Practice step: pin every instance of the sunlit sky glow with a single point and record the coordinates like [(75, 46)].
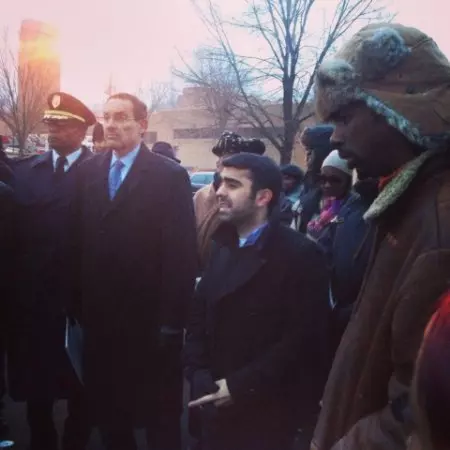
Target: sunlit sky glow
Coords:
[(138, 40)]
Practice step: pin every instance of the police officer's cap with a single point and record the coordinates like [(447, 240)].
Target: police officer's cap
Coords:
[(63, 106)]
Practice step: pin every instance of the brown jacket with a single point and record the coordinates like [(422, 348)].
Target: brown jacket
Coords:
[(204, 201), (206, 213), (365, 401)]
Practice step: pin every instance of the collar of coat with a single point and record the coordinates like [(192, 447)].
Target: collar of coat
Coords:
[(227, 236), (398, 185), (46, 158)]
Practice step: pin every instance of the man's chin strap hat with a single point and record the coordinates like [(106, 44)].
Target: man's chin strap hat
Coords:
[(63, 107), (398, 72)]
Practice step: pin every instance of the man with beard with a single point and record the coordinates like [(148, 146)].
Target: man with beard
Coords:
[(205, 201), (261, 303), (136, 235), (388, 94), (39, 369)]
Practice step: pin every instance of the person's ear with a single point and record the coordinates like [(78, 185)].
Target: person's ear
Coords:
[(143, 123), (264, 197)]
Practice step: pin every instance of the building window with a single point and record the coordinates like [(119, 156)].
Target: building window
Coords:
[(150, 137), (214, 133), (186, 133), (210, 133), (249, 132), (196, 133)]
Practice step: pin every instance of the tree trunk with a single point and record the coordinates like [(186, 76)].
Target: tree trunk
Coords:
[(288, 118), (288, 147), (21, 141)]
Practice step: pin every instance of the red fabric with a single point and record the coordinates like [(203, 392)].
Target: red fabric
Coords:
[(385, 180)]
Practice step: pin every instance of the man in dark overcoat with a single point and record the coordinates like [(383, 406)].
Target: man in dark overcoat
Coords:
[(138, 264), (256, 343), (39, 370)]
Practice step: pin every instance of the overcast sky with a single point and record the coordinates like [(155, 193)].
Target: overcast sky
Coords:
[(138, 40)]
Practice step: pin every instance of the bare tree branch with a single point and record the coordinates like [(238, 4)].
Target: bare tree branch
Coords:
[(289, 58), (157, 95), (23, 92), (219, 90)]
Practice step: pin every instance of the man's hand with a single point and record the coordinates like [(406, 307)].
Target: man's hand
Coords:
[(220, 398)]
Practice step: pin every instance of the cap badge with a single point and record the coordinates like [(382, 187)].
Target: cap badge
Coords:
[(56, 101)]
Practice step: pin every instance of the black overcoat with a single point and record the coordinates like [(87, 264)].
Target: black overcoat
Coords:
[(138, 266), (260, 320), (37, 363)]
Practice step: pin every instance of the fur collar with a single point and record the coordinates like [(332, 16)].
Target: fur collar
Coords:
[(397, 186)]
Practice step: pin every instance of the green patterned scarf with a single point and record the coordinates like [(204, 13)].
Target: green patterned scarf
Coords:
[(397, 186)]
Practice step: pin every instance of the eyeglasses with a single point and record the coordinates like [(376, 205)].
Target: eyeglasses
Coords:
[(119, 118), (330, 179)]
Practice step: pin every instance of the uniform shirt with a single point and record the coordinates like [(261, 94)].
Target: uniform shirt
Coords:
[(127, 161), (70, 159)]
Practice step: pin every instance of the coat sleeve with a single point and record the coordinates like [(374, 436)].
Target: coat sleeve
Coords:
[(74, 303), (6, 246), (195, 353), (306, 322), (390, 427), (179, 253)]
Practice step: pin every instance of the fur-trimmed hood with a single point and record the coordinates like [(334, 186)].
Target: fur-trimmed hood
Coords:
[(400, 73)]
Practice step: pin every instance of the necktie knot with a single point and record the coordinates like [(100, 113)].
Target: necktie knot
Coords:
[(119, 164), (60, 166)]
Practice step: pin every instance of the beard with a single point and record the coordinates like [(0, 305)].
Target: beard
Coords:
[(236, 215)]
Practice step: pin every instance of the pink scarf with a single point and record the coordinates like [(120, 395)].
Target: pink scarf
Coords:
[(330, 210)]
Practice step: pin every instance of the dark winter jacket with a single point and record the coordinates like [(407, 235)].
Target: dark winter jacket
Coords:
[(138, 266), (256, 314), (37, 362), (347, 242), (6, 234), (308, 204)]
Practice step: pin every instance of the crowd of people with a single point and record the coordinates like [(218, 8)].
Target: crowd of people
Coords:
[(307, 310)]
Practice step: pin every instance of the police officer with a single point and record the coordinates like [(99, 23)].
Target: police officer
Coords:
[(39, 369)]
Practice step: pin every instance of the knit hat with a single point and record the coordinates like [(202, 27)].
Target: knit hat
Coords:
[(255, 146), (293, 171), (334, 160), (317, 139), (400, 73), (165, 149)]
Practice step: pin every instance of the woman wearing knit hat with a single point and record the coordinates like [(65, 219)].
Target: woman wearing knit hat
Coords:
[(336, 181), (345, 237), (387, 92)]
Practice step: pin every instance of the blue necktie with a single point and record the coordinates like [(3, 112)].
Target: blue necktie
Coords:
[(115, 179)]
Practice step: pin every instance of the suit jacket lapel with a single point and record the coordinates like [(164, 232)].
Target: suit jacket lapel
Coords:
[(85, 154), (42, 189), (97, 184), (236, 268)]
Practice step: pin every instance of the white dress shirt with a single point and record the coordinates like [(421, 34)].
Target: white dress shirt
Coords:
[(127, 161), (70, 159)]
